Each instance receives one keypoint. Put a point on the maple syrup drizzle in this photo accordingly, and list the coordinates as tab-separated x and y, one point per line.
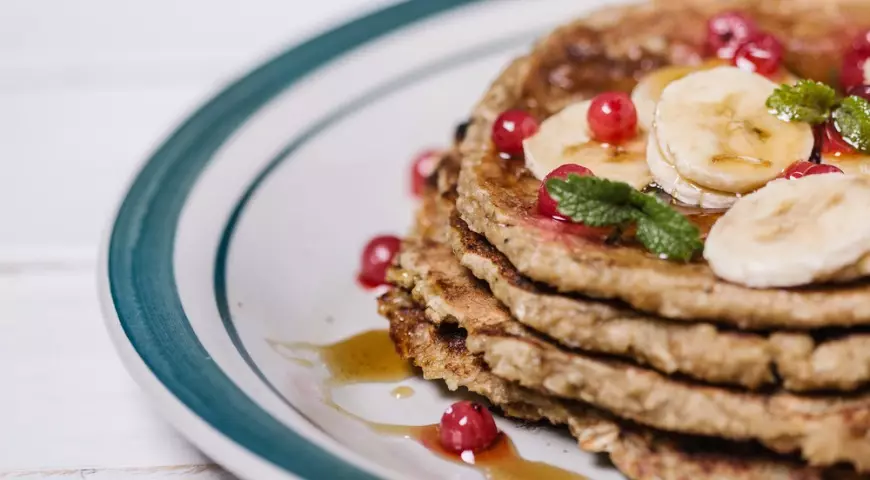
849	163
703	218
402	392
704	221
500	461
368	357
371	357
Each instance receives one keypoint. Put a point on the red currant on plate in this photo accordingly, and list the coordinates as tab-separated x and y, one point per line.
803	169
423	168
377	257
761	54
727	31
467	426
547	206
511	128
854	68
833	143
612	118
861	42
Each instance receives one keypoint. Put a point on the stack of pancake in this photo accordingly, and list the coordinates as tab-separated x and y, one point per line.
671	371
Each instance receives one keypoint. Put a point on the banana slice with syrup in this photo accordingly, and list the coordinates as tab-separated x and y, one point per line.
795	232
669	181
648	91
565	138
714	128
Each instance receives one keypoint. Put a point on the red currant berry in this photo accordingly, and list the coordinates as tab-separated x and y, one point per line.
819	169
377	257
803	169
761	54
467	426
861	42
612	118
547	206
796	170
511	128
833	143
423	168
727	31
862	91
853	70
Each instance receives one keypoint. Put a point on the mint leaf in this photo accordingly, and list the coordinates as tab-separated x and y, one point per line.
599	202
807	101
852	120
593	201
663	231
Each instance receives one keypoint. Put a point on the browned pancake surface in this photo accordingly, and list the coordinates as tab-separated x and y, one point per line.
700	350
639	453
826	430
611	50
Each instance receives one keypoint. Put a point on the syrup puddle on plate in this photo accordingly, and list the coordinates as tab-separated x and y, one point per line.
402	392
370	357
501	461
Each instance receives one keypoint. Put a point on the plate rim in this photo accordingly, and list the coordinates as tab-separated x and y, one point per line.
225	435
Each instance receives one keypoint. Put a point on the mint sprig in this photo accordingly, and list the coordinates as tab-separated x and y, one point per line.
814	102
852	120
599	202
665	231
806	101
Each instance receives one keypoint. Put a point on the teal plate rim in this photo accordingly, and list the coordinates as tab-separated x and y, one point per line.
378	93
139	250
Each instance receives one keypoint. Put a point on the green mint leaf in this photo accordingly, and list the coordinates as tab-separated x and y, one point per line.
807	101
599	202
593	201
852	120
663	230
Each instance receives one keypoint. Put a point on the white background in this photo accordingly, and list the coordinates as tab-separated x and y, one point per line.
87	89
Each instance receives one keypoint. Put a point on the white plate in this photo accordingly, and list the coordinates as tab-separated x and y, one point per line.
246	226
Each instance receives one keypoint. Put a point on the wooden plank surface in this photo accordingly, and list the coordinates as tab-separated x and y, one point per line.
87	89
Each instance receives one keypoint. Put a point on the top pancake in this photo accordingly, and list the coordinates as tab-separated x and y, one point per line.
609	51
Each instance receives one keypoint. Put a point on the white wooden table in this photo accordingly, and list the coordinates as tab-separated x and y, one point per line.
87	89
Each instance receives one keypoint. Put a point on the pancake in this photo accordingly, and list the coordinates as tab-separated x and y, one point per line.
609	51
826	430
702	351
640	453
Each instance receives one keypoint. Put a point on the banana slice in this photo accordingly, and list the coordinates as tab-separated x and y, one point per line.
648	91
565	138
794	232
667	178
716	129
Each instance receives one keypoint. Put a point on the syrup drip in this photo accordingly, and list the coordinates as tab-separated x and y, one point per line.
368	357
371	357
500	461
402	392
704	222
703	218
854	164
